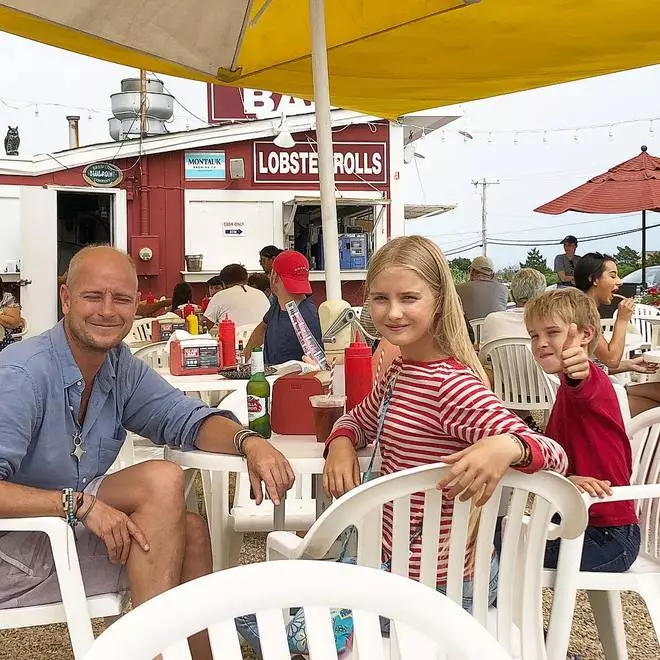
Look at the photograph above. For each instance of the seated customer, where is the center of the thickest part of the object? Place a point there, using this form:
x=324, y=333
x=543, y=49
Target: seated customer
x=289, y=281
x=260, y=281
x=586, y=421
x=482, y=293
x=243, y=304
x=526, y=284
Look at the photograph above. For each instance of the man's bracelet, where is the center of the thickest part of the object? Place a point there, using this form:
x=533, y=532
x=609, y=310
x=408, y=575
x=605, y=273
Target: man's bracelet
x=68, y=506
x=241, y=436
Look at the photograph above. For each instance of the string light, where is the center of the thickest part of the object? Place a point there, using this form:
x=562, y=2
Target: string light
x=576, y=138
x=36, y=110
x=651, y=128
x=515, y=139
x=545, y=137
x=490, y=137
x=610, y=134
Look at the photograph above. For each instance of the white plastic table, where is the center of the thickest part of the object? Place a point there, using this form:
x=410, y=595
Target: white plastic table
x=303, y=452
x=210, y=383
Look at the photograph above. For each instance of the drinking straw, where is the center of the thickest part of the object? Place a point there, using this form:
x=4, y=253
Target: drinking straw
x=332, y=375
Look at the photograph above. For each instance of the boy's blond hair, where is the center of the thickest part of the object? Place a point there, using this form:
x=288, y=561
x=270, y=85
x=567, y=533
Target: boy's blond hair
x=569, y=305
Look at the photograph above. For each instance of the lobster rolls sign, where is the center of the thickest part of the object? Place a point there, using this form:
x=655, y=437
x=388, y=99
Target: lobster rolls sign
x=355, y=162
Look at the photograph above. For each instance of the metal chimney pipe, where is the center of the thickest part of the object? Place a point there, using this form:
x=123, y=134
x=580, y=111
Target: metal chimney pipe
x=74, y=140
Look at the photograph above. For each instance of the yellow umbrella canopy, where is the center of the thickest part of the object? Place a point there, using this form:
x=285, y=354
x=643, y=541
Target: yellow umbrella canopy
x=385, y=57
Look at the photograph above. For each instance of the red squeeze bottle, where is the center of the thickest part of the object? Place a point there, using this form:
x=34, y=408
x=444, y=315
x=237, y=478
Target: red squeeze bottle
x=358, y=377
x=187, y=311
x=150, y=298
x=227, y=337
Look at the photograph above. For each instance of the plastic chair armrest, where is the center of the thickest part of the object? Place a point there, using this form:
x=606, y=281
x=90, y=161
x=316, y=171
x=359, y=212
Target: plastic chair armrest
x=48, y=524
x=285, y=545
x=623, y=493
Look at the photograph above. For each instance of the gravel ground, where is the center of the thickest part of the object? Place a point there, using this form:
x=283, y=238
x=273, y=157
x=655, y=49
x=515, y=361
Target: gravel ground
x=52, y=642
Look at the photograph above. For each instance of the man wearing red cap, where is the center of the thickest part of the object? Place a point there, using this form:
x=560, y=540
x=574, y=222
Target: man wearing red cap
x=289, y=280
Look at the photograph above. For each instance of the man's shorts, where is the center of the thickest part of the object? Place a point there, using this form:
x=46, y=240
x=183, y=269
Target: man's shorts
x=27, y=569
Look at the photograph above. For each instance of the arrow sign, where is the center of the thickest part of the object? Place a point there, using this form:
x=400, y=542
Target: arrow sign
x=233, y=232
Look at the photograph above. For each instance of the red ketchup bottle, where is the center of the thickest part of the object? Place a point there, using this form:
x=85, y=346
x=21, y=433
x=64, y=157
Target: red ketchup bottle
x=227, y=337
x=358, y=377
x=150, y=298
x=187, y=311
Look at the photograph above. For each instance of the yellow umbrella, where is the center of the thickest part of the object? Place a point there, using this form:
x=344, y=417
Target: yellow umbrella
x=386, y=57
x=383, y=57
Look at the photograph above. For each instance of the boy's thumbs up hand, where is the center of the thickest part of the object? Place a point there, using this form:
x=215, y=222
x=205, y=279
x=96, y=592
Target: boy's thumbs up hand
x=574, y=358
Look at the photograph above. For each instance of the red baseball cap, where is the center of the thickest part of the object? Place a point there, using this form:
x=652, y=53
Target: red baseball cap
x=293, y=268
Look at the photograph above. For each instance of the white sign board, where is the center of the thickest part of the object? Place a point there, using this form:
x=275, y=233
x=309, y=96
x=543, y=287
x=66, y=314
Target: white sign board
x=233, y=228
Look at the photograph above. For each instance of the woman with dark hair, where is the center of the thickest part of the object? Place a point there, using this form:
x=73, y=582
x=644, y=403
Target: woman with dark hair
x=182, y=295
x=596, y=274
x=10, y=317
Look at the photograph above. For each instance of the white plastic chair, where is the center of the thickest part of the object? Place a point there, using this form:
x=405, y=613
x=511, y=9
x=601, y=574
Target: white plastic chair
x=518, y=380
x=607, y=325
x=75, y=609
x=476, y=326
x=140, y=332
x=156, y=355
x=162, y=624
x=643, y=577
x=642, y=320
x=518, y=618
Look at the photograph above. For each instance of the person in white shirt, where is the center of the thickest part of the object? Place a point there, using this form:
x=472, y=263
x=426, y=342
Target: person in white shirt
x=526, y=284
x=243, y=304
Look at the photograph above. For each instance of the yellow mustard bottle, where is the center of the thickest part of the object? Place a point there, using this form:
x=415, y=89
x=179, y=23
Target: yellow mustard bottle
x=192, y=324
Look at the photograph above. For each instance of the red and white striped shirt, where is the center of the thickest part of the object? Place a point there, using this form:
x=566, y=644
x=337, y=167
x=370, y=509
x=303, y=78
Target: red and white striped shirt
x=437, y=408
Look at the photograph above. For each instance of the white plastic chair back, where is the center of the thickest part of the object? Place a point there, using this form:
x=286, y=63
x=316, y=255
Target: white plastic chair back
x=644, y=433
x=607, y=325
x=476, y=326
x=156, y=355
x=517, y=379
x=140, y=332
x=162, y=624
x=243, y=332
x=646, y=310
x=519, y=592
x=622, y=397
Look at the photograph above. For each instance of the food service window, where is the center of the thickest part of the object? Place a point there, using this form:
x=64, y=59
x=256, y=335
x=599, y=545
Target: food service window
x=361, y=225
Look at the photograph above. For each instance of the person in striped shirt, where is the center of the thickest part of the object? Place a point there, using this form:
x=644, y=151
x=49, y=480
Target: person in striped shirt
x=440, y=410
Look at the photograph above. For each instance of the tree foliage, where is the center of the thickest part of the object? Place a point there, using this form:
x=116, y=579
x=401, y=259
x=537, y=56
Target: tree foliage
x=537, y=261
x=460, y=263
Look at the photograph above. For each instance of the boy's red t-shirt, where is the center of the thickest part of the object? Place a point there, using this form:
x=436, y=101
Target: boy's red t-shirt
x=586, y=421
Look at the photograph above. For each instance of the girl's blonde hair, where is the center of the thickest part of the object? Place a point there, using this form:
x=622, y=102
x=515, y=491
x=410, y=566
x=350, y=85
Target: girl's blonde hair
x=447, y=326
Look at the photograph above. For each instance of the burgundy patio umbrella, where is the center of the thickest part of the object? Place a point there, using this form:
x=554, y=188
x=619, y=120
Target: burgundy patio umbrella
x=628, y=187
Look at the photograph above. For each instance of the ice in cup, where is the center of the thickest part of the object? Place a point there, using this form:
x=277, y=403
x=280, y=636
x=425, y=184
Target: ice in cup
x=328, y=408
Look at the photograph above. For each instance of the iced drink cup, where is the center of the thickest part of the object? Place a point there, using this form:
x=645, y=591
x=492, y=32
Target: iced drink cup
x=328, y=408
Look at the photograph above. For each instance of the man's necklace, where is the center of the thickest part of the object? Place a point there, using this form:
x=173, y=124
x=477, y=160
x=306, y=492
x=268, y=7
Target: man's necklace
x=78, y=449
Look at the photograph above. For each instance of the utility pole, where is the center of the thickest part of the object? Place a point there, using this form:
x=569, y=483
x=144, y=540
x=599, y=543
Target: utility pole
x=484, y=214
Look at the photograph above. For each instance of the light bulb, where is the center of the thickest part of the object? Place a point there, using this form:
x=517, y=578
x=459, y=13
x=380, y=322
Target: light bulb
x=490, y=137
x=515, y=139
x=36, y=110
x=651, y=128
x=545, y=137
x=576, y=139
x=610, y=134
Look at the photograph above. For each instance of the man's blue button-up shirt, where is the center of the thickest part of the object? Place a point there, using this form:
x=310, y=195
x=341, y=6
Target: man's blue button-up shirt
x=40, y=395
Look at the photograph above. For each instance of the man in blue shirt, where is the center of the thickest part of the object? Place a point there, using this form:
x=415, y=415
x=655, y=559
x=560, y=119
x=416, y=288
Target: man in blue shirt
x=289, y=280
x=66, y=400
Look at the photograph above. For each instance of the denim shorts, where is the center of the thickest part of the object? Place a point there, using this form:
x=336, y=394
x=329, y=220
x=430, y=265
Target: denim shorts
x=605, y=549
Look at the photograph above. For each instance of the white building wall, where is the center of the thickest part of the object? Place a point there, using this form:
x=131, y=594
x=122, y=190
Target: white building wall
x=10, y=225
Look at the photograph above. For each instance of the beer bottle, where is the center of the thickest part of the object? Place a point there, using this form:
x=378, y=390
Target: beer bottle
x=258, y=396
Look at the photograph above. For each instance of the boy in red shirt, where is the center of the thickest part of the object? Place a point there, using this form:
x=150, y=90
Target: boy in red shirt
x=586, y=421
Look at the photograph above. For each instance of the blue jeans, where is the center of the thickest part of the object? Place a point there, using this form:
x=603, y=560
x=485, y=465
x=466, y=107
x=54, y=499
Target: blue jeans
x=605, y=549
x=247, y=625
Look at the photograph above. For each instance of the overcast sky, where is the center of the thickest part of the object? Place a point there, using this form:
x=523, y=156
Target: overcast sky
x=40, y=85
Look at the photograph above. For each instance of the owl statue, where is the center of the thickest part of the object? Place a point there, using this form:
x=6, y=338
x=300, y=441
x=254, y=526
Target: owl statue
x=12, y=141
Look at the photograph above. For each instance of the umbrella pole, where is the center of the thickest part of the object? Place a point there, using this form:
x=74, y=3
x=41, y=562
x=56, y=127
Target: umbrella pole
x=325, y=150
x=643, y=248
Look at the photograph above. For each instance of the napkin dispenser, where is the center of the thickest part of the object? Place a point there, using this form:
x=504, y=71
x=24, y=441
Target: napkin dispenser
x=290, y=411
x=163, y=327
x=195, y=357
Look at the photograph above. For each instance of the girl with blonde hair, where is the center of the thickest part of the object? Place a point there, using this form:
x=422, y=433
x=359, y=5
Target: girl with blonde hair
x=439, y=407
